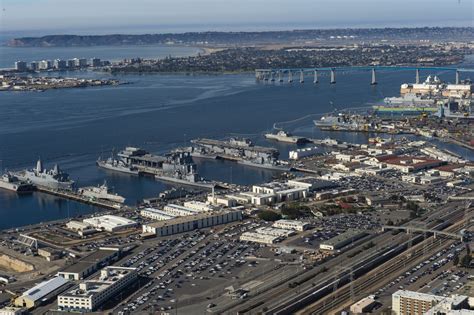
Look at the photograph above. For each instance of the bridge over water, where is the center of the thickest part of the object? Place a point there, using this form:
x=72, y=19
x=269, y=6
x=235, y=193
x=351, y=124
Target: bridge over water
x=278, y=74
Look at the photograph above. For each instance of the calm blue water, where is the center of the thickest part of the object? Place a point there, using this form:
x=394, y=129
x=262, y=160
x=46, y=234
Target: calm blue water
x=159, y=112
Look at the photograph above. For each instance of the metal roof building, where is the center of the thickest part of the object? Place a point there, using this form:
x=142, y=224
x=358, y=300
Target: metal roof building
x=41, y=292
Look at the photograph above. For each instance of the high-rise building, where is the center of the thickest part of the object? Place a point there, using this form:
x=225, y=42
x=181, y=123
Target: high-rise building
x=82, y=62
x=95, y=62
x=34, y=65
x=21, y=66
x=59, y=64
x=44, y=65
x=71, y=63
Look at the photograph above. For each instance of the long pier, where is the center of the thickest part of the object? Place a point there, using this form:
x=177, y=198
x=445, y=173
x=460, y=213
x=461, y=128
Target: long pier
x=278, y=74
x=69, y=194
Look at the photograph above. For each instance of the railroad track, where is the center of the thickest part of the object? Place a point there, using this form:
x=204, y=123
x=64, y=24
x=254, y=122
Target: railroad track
x=327, y=295
x=369, y=281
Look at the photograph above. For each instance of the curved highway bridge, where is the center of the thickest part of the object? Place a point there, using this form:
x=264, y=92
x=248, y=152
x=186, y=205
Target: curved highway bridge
x=277, y=74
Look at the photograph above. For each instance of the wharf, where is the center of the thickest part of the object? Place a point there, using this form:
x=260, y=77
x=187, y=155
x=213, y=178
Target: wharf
x=80, y=198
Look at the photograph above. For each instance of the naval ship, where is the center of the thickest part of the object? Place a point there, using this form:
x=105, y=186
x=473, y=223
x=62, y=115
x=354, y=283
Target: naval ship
x=284, y=136
x=176, y=167
x=42, y=178
x=11, y=182
x=339, y=122
x=101, y=192
x=116, y=165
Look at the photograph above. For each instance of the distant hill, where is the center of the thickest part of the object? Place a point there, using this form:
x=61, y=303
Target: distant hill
x=239, y=38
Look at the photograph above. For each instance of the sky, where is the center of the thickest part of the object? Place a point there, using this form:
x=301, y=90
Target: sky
x=158, y=16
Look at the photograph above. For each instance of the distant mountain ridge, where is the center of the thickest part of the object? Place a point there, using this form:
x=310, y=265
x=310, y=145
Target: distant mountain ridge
x=238, y=38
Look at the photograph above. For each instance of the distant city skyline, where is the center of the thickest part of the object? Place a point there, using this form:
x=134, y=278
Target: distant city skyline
x=138, y=16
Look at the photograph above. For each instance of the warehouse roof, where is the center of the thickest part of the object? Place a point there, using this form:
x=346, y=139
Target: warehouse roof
x=44, y=288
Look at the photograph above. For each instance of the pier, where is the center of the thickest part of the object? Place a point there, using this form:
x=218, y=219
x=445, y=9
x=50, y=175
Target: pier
x=270, y=74
x=69, y=194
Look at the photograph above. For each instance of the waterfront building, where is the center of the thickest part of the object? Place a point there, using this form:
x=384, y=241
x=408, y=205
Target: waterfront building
x=34, y=65
x=110, y=223
x=81, y=62
x=44, y=65
x=41, y=293
x=90, y=294
x=71, y=63
x=21, y=66
x=59, y=64
x=95, y=62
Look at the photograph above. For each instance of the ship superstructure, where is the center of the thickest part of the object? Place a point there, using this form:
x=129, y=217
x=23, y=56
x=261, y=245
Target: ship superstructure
x=54, y=178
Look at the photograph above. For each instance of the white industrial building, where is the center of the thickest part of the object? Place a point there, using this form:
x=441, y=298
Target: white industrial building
x=156, y=214
x=90, y=294
x=274, y=232
x=302, y=153
x=274, y=192
x=259, y=238
x=110, y=223
x=41, y=293
x=179, y=211
x=80, y=227
x=226, y=201
x=291, y=225
x=192, y=222
x=198, y=206
x=342, y=240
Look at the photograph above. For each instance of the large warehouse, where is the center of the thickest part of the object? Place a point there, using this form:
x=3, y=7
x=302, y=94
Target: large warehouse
x=192, y=222
x=41, y=292
x=110, y=223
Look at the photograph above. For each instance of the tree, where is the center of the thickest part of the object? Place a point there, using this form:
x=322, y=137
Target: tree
x=466, y=261
x=268, y=215
x=456, y=260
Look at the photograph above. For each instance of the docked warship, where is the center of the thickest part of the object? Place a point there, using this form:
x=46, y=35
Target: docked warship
x=101, y=192
x=175, y=167
x=10, y=182
x=40, y=177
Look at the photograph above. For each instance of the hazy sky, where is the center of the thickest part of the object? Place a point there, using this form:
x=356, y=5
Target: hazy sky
x=132, y=16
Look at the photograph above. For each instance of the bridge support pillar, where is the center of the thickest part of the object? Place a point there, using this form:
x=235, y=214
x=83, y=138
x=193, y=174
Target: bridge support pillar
x=290, y=76
x=280, y=78
x=301, y=76
x=333, y=76
x=374, y=80
x=417, y=77
x=316, y=80
x=457, y=77
x=272, y=76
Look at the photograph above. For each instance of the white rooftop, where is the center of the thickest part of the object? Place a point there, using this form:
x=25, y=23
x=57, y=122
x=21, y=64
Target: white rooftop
x=44, y=288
